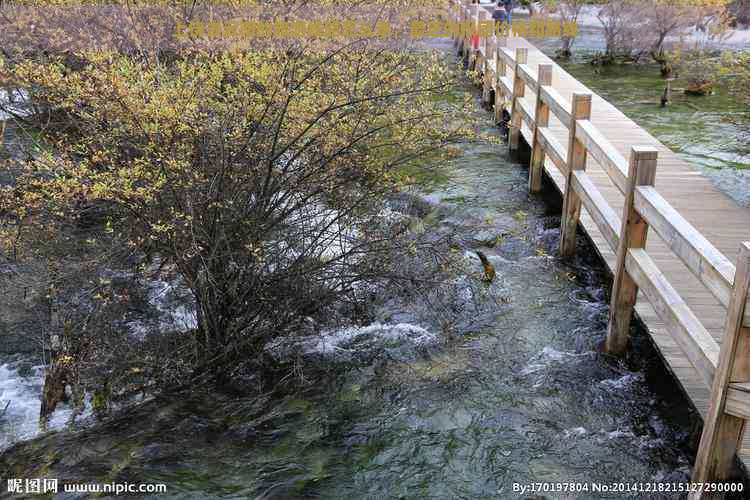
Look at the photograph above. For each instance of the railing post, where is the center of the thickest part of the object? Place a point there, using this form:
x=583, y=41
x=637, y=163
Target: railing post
x=466, y=38
x=541, y=119
x=501, y=42
x=489, y=55
x=519, y=90
x=642, y=172
x=481, y=17
x=461, y=20
x=456, y=17
x=722, y=433
x=581, y=110
x=499, y=71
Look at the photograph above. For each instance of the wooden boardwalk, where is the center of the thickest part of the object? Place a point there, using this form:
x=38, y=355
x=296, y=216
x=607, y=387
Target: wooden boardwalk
x=679, y=253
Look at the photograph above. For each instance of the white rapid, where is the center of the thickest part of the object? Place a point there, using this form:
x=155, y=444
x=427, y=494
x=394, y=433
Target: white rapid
x=20, y=401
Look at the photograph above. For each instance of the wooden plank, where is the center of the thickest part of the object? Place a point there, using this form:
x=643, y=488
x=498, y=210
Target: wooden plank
x=738, y=400
x=605, y=154
x=633, y=232
x=553, y=149
x=487, y=77
x=606, y=218
x=694, y=340
x=519, y=90
x=527, y=113
x=541, y=119
x=699, y=255
x=482, y=17
x=507, y=85
x=508, y=57
x=496, y=83
x=722, y=432
x=527, y=133
x=524, y=71
x=580, y=110
x=557, y=104
x=455, y=16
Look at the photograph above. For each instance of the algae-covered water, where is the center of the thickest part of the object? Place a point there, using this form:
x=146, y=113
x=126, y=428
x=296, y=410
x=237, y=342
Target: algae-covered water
x=526, y=396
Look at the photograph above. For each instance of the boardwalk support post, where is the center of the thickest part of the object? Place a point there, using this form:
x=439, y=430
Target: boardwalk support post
x=642, y=172
x=519, y=90
x=499, y=72
x=536, y=166
x=722, y=433
x=478, y=57
x=489, y=55
x=456, y=17
x=482, y=17
x=466, y=35
x=581, y=110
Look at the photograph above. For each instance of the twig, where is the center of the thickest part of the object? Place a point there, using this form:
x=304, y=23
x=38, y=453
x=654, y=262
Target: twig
x=5, y=410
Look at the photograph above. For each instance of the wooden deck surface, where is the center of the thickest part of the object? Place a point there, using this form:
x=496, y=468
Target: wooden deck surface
x=724, y=223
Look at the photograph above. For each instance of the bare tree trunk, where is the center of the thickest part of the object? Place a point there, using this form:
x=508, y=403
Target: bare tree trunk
x=55, y=380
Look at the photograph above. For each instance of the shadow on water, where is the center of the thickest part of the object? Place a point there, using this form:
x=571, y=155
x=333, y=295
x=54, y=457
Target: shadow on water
x=526, y=397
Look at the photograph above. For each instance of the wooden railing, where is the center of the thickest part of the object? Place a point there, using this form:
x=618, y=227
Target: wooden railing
x=726, y=370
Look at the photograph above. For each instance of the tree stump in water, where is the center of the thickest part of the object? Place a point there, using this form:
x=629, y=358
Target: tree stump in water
x=700, y=89
x=55, y=380
x=62, y=371
x=666, y=97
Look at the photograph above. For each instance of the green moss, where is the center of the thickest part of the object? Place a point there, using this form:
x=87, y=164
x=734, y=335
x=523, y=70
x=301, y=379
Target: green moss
x=428, y=176
x=455, y=199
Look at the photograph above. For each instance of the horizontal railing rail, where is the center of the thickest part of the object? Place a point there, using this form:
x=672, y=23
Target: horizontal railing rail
x=724, y=370
x=557, y=104
x=524, y=71
x=706, y=262
x=604, y=153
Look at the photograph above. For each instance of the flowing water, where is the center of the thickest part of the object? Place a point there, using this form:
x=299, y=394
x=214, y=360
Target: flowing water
x=20, y=387
x=402, y=410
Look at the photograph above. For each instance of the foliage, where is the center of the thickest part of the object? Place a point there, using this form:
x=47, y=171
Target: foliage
x=568, y=10
x=257, y=178
x=616, y=17
x=738, y=65
x=658, y=29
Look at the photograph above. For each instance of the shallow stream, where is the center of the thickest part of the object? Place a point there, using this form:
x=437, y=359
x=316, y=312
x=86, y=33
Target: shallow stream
x=525, y=397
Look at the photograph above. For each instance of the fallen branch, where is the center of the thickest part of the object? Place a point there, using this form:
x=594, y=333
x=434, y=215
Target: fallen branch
x=5, y=410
